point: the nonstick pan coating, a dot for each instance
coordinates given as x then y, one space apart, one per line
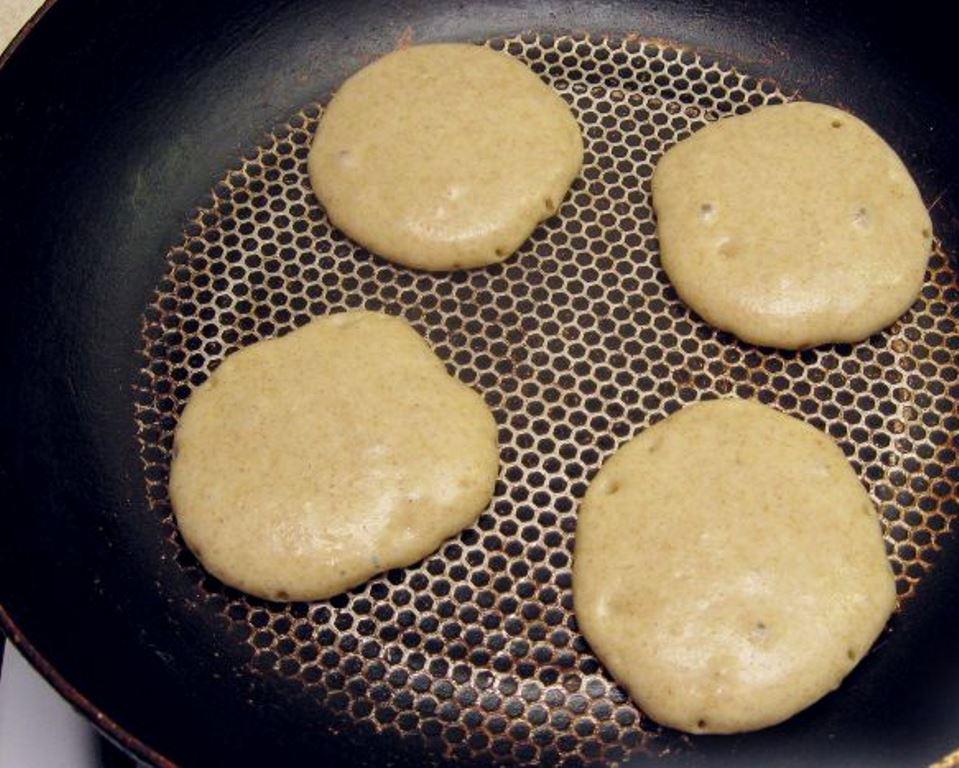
158 217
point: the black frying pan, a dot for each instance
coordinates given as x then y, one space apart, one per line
117 119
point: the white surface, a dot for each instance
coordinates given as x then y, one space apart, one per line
13 15
38 729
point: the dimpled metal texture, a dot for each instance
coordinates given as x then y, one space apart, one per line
577 342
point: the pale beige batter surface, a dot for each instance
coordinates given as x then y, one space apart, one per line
444 156
308 463
729 568
791 226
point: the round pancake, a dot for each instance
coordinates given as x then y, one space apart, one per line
791 226
729 568
444 156
308 463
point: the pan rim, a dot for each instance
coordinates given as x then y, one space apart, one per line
97 718
25 30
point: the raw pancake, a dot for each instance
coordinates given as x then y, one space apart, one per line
729 569
444 156
308 463
791 226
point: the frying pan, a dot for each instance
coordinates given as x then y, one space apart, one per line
156 217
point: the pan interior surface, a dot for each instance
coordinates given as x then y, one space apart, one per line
577 343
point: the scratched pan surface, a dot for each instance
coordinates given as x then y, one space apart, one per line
157 216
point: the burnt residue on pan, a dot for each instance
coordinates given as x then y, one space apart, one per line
577 343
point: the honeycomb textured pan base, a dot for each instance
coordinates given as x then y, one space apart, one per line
577 342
